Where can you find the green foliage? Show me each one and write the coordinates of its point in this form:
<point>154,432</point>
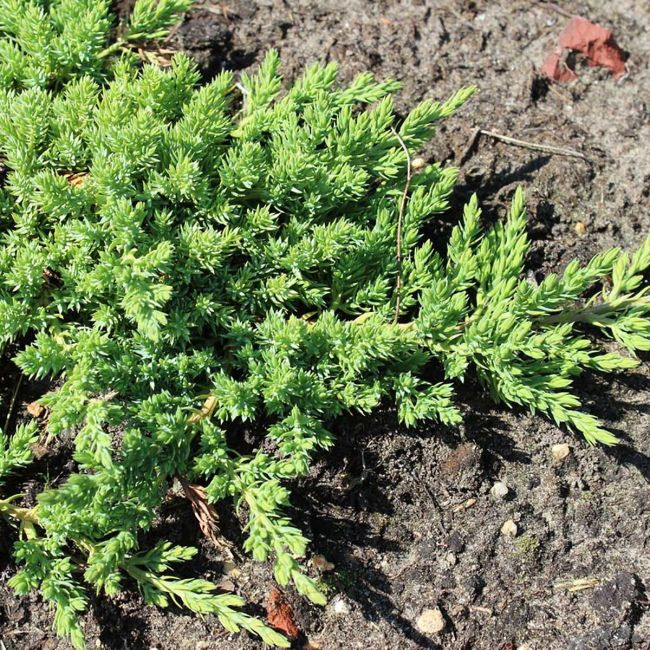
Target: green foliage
<point>151,19</point>
<point>187,257</point>
<point>16,451</point>
<point>196,595</point>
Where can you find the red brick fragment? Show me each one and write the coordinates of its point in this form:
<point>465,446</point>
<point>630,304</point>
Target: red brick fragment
<point>595,42</point>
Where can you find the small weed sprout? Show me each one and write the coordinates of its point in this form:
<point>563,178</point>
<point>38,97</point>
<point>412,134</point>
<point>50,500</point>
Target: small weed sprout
<point>527,546</point>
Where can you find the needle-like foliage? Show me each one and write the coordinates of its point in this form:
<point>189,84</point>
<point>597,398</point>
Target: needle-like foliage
<point>186,257</point>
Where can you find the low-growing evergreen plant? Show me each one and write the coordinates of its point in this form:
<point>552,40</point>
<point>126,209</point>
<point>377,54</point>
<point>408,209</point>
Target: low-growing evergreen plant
<point>184,257</point>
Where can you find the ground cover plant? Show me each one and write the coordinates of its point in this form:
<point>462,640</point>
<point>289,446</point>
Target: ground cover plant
<point>185,257</point>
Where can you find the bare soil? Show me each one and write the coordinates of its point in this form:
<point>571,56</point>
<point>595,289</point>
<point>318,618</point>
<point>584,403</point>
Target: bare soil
<point>407,517</point>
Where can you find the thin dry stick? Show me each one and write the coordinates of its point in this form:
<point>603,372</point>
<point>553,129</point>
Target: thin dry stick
<point>12,404</point>
<point>400,219</point>
<point>546,148</point>
<point>554,7</point>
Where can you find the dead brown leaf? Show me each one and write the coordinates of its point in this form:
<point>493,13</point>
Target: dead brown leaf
<point>280,615</point>
<point>206,515</point>
<point>76,179</point>
<point>35,410</point>
<point>322,564</point>
<point>205,411</point>
<point>39,451</point>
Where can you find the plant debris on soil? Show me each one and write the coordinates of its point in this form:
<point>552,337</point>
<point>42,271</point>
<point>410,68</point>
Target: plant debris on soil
<point>407,517</point>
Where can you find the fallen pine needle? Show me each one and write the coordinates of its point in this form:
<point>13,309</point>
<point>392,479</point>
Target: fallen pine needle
<point>465,505</point>
<point>554,7</point>
<point>546,148</point>
<point>577,585</point>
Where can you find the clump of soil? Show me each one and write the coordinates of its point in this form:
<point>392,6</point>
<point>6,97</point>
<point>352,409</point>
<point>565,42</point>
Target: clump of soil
<point>409,518</point>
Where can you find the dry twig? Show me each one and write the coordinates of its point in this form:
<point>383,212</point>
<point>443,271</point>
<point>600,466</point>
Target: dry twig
<point>12,404</point>
<point>557,151</point>
<point>400,220</point>
<point>471,146</point>
<point>553,7</point>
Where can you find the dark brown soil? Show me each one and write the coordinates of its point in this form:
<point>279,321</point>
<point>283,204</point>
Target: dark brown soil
<point>392,508</point>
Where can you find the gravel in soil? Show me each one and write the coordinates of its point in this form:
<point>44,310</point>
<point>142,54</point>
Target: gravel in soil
<point>426,553</point>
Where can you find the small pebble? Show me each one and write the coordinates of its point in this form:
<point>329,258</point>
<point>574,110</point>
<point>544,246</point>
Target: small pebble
<point>418,163</point>
<point>431,621</point>
<point>509,529</point>
<point>580,228</point>
<point>202,645</point>
<point>499,490</point>
<point>341,608</point>
<point>451,559</point>
<point>560,452</point>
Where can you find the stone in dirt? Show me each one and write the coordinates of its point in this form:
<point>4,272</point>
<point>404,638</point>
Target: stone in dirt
<point>431,621</point>
<point>499,490</point>
<point>560,452</point>
<point>341,608</point>
<point>509,529</point>
<point>451,559</point>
